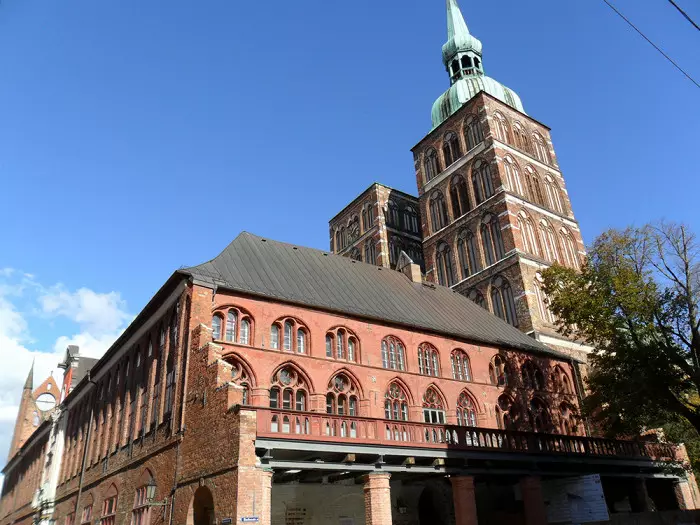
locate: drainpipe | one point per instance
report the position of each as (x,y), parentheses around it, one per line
(85,447)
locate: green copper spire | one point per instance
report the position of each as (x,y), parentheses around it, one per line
(461,55)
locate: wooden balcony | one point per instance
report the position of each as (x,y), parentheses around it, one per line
(274,424)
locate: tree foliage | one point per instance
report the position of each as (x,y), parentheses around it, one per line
(636,303)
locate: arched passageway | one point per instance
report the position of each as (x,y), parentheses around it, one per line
(201,511)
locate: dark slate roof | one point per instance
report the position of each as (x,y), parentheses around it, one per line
(84,365)
(284,272)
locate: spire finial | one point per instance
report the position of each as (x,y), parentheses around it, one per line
(456,26)
(29,383)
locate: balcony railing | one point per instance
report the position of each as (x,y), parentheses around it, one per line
(313,426)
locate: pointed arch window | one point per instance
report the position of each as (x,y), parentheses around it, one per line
(513,181)
(503,301)
(560,381)
(568,419)
(433,407)
(438,211)
(492,239)
(140,513)
(466,410)
(240,375)
(534,186)
(410,219)
(528,234)
(342,344)
(507,413)
(468,251)
(499,371)
(482,181)
(538,414)
(109,507)
(342,396)
(521,140)
(395,403)
(353,229)
(288,390)
(569,249)
(549,242)
(428,360)
(450,148)
(293,333)
(370,252)
(473,134)
(502,128)
(445,268)
(532,376)
(393,354)
(393,218)
(542,304)
(553,194)
(216,323)
(540,149)
(477,297)
(432,165)
(459,196)
(461,367)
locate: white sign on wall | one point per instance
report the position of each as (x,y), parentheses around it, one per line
(575,500)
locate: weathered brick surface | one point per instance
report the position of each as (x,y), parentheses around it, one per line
(377,499)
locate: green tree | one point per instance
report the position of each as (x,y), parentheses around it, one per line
(636,303)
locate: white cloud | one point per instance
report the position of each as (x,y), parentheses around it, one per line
(97,319)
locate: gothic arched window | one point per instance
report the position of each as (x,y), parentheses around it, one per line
(393,354)
(459,196)
(478,298)
(568,420)
(543,304)
(461,367)
(445,268)
(553,194)
(569,249)
(428,360)
(342,344)
(438,211)
(466,410)
(396,403)
(532,376)
(499,371)
(240,375)
(529,236)
(482,181)
(370,251)
(432,165)
(289,390)
(502,129)
(238,325)
(503,301)
(355,254)
(468,251)
(410,219)
(294,335)
(540,148)
(433,406)
(521,140)
(491,239)
(473,135)
(538,414)
(513,181)
(534,187)
(549,242)
(216,323)
(450,148)
(507,413)
(341,398)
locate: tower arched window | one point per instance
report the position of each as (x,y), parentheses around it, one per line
(396,403)
(528,234)
(438,211)
(466,410)
(549,242)
(450,148)
(393,354)
(461,367)
(353,229)
(445,268)
(410,219)
(569,249)
(492,239)
(473,134)
(216,323)
(293,333)
(538,415)
(553,194)
(532,376)
(502,128)
(543,304)
(288,390)
(393,218)
(540,149)
(499,371)
(459,196)
(520,135)
(534,186)
(433,406)
(428,360)
(342,344)
(432,165)
(477,297)
(342,396)
(370,251)
(513,181)
(482,181)
(367,216)
(469,258)
(503,301)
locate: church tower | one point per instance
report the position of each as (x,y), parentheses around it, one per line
(34,408)
(494,207)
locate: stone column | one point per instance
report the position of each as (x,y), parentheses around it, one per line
(685,493)
(535,511)
(464,500)
(377,499)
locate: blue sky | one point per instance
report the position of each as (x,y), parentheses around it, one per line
(138,136)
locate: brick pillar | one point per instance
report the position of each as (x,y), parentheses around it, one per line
(464,500)
(638,496)
(535,511)
(377,499)
(686,494)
